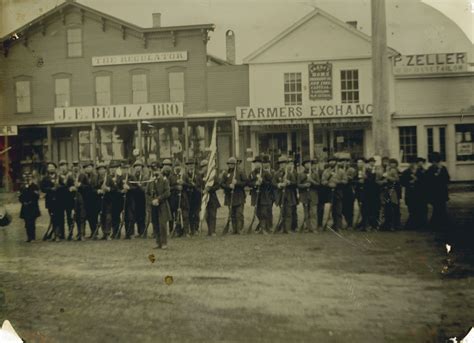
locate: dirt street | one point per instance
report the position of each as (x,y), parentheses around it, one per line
(361,287)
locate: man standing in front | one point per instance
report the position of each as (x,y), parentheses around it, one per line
(437,179)
(308,183)
(213,202)
(335,178)
(137,201)
(285,182)
(233,182)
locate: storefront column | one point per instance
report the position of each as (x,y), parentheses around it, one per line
(236,139)
(49,134)
(288,143)
(186,140)
(330,134)
(140,143)
(421,143)
(451,150)
(311,140)
(93,140)
(253,142)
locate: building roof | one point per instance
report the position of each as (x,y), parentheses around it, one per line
(305,19)
(72,4)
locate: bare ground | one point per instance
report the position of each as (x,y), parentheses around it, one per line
(363,287)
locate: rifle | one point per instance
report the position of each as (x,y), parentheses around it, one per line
(99,224)
(178,219)
(331,203)
(255,210)
(122,214)
(282,200)
(145,233)
(229,217)
(309,180)
(49,232)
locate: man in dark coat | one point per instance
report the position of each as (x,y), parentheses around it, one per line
(371,197)
(285,182)
(359,193)
(308,184)
(422,188)
(29,196)
(437,180)
(409,181)
(391,195)
(159,191)
(213,202)
(262,192)
(348,193)
(51,185)
(116,196)
(67,195)
(178,201)
(193,195)
(233,182)
(334,177)
(136,203)
(88,189)
(78,201)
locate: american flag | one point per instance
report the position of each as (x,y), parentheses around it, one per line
(211,171)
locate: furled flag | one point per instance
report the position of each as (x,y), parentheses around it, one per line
(211,171)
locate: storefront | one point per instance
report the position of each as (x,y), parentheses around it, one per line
(435,110)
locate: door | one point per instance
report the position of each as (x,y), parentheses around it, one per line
(65,149)
(274,145)
(436,140)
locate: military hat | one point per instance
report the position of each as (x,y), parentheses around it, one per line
(75,163)
(308,159)
(393,160)
(166,169)
(232,160)
(203,163)
(87,164)
(27,174)
(138,163)
(62,162)
(332,159)
(371,159)
(125,163)
(52,163)
(265,159)
(385,158)
(239,160)
(167,162)
(257,159)
(114,164)
(152,163)
(282,159)
(101,165)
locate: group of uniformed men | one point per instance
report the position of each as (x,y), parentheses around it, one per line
(117,196)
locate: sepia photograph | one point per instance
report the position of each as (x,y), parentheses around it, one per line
(237,171)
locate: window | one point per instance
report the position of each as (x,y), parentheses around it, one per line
(464,144)
(176,83)
(350,141)
(62,92)
(437,141)
(74,42)
(23,96)
(408,142)
(349,86)
(139,89)
(292,89)
(102,90)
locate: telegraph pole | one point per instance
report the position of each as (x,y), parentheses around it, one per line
(380,80)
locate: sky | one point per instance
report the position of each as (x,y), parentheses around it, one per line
(257,21)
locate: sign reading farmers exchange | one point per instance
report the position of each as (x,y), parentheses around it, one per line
(304,112)
(320,81)
(140,58)
(430,63)
(118,112)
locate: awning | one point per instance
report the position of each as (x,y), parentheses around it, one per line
(358,122)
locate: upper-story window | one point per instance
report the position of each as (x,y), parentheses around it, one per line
(293,94)
(23,96)
(62,90)
(349,86)
(139,88)
(176,84)
(102,90)
(74,42)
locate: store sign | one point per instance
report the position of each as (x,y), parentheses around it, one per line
(430,63)
(464,149)
(118,112)
(304,112)
(320,81)
(9,130)
(157,57)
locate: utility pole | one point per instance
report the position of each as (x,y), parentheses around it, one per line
(380,80)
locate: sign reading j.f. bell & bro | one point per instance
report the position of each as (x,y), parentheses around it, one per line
(118,112)
(320,81)
(156,57)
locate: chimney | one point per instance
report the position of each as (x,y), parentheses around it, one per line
(352,23)
(230,46)
(156,19)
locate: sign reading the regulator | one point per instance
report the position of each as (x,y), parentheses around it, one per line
(140,58)
(118,112)
(430,63)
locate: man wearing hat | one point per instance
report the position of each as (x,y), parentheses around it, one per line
(159,191)
(348,192)
(213,202)
(261,183)
(77,199)
(391,194)
(254,181)
(334,177)
(122,177)
(88,189)
(285,183)
(422,208)
(104,190)
(29,196)
(233,182)
(308,184)
(178,200)
(137,201)
(437,179)
(50,184)
(193,194)
(116,197)
(67,195)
